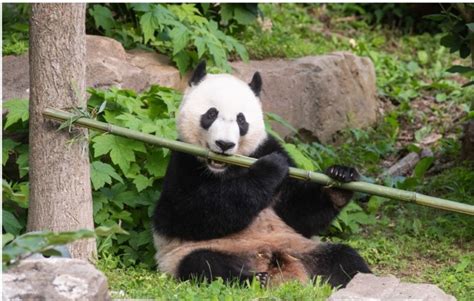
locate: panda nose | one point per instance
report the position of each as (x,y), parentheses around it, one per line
(225,145)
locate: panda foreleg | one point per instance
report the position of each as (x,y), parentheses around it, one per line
(208,265)
(336,263)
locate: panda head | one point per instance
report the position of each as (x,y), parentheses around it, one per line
(222,113)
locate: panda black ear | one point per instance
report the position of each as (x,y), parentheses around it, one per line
(198,74)
(256,84)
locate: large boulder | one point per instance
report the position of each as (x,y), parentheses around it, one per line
(108,64)
(54,279)
(318,95)
(368,287)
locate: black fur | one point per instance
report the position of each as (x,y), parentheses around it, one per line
(256,84)
(336,263)
(243,124)
(209,265)
(208,118)
(196,205)
(198,74)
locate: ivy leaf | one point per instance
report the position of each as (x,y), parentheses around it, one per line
(17,110)
(8,146)
(122,150)
(142,182)
(102,17)
(102,173)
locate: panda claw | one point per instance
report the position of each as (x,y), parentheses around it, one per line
(262,277)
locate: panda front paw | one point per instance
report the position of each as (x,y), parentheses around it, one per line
(273,165)
(262,277)
(342,173)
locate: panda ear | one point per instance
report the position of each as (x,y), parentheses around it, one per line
(198,74)
(256,84)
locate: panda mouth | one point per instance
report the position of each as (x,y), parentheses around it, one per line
(217,166)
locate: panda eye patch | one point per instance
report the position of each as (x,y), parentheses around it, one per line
(243,124)
(208,118)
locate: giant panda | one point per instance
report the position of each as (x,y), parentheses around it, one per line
(216,220)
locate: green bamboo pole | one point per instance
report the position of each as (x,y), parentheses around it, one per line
(369,188)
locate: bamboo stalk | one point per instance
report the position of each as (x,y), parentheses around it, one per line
(369,188)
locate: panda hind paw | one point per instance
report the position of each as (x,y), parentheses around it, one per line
(342,173)
(262,277)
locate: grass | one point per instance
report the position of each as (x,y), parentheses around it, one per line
(142,283)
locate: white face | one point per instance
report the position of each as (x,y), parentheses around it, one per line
(223,114)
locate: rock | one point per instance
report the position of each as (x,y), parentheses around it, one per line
(54,279)
(108,64)
(318,95)
(368,287)
(467,150)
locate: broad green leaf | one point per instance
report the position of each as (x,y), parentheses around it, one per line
(102,173)
(142,182)
(6,238)
(156,164)
(10,223)
(179,38)
(121,150)
(243,16)
(423,57)
(102,17)
(460,69)
(301,160)
(280,120)
(148,26)
(200,46)
(422,166)
(183,61)
(17,110)
(8,146)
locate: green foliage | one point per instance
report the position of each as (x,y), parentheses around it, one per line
(179,31)
(15,28)
(126,174)
(23,246)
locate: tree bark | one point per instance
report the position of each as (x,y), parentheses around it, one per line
(60,189)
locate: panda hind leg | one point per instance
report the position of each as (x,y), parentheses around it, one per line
(208,265)
(336,263)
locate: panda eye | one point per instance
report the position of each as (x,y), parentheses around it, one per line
(243,124)
(212,113)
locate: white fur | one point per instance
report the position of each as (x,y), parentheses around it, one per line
(230,96)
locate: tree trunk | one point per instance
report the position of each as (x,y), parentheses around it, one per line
(60,189)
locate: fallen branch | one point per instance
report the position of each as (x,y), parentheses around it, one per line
(369,188)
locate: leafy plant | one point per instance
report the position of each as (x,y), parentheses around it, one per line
(15,28)
(43,242)
(179,31)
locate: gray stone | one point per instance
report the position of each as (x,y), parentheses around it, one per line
(368,287)
(318,95)
(108,64)
(54,279)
